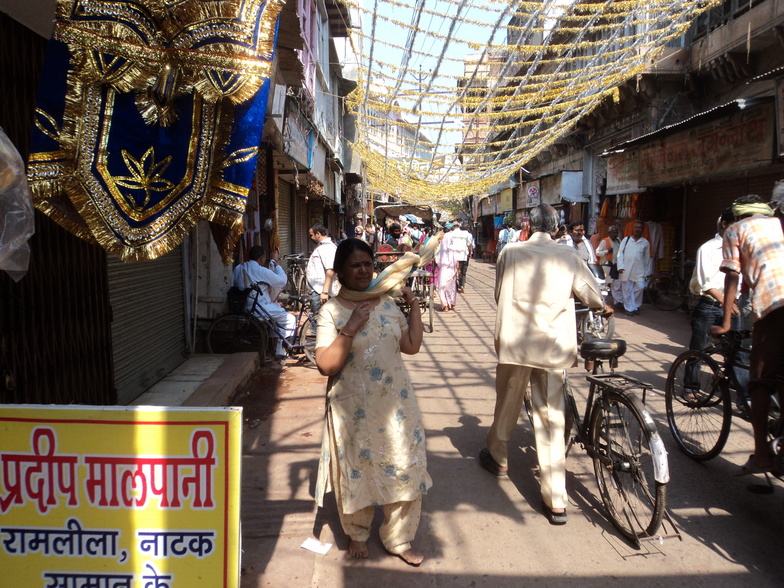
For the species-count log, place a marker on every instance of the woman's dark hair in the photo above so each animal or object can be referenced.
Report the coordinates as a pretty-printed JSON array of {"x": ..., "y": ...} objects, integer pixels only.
[{"x": 344, "y": 251}]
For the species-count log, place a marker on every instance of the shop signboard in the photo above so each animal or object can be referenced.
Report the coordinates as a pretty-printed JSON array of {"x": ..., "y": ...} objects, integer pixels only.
[
  {"x": 532, "y": 195},
  {"x": 505, "y": 200},
  {"x": 740, "y": 141},
  {"x": 298, "y": 137},
  {"x": 623, "y": 170},
  {"x": 119, "y": 497}
]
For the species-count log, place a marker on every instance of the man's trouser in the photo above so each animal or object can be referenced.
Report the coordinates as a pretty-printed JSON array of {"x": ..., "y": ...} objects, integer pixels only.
[
  {"x": 547, "y": 398},
  {"x": 463, "y": 270}
]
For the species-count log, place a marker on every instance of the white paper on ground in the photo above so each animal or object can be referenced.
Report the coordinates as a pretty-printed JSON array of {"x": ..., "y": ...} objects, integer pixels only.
[{"x": 316, "y": 546}]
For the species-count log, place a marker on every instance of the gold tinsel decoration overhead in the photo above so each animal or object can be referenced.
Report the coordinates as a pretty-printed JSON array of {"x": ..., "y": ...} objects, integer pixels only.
[{"x": 455, "y": 96}]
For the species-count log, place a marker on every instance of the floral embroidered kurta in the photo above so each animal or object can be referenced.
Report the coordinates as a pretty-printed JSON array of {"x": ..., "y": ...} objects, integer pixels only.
[{"x": 374, "y": 439}]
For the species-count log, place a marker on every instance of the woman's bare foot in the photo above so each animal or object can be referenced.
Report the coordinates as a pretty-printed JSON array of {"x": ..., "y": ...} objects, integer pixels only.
[
  {"x": 411, "y": 557},
  {"x": 358, "y": 549}
]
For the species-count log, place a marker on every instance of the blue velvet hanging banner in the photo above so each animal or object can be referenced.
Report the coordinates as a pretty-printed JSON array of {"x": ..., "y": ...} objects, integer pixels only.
[{"x": 149, "y": 118}]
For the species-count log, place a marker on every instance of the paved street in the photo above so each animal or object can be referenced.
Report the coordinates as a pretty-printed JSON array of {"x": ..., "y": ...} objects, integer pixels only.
[{"x": 480, "y": 531}]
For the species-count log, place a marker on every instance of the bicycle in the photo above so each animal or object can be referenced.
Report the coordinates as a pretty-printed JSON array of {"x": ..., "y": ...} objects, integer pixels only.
[
  {"x": 670, "y": 290},
  {"x": 618, "y": 433},
  {"x": 252, "y": 329},
  {"x": 421, "y": 283},
  {"x": 699, "y": 399},
  {"x": 296, "y": 284}
]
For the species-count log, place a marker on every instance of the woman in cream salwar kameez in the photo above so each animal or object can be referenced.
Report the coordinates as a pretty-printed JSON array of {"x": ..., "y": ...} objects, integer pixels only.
[{"x": 373, "y": 450}]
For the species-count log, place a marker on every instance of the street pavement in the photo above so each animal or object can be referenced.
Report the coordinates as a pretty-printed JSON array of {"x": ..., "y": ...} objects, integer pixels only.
[{"x": 478, "y": 530}]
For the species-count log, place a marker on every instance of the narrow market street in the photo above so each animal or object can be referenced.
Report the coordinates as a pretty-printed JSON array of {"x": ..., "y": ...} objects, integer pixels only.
[{"x": 480, "y": 531}]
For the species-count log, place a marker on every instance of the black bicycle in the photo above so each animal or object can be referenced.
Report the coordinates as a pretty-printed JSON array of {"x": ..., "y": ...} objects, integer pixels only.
[
  {"x": 296, "y": 283},
  {"x": 698, "y": 396},
  {"x": 255, "y": 330},
  {"x": 617, "y": 431}
]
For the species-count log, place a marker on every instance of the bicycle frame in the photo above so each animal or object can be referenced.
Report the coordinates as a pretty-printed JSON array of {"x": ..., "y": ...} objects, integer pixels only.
[
  {"x": 600, "y": 383},
  {"x": 730, "y": 347}
]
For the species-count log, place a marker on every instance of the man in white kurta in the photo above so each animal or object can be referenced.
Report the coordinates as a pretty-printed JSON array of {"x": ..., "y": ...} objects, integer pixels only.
[
  {"x": 634, "y": 262},
  {"x": 536, "y": 340},
  {"x": 271, "y": 281}
]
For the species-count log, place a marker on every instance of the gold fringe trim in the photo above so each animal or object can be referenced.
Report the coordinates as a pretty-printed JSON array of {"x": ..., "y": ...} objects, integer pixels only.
[{"x": 135, "y": 47}]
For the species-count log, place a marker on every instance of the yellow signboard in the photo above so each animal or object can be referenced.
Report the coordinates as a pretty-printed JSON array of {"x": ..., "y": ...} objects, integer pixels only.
[{"x": 116, "y": 497}]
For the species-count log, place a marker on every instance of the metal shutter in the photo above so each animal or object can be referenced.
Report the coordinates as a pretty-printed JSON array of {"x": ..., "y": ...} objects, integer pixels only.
[
  {"x": 148, "y": 321},
  {"x": 284, "y": 216},
  {"x": 704, "y": 204},
  {"x": 707, "y": 201},
  {"x": 302, "y": 225}
]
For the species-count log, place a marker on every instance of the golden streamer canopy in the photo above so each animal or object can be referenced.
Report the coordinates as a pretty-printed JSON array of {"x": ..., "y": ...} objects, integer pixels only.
[{"x": 457, "y": 95}]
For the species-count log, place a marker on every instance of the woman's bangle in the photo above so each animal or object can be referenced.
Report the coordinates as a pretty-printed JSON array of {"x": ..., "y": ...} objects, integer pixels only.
[{"x": 346, "y": 335}]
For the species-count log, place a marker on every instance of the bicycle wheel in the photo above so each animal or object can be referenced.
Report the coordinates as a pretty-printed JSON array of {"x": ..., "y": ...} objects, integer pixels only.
[
  {"x": 307, "y": 339},
  {"x": 699, "y": 406},
  {"x": 595, "y": 326},
  {"x": 667, "y": 293},
  {"x": 427, "y": 304},
  {"x": 630, "y": 464},
  {"x": 300, "y": 283},
  {"x": 233, "y": 333}
]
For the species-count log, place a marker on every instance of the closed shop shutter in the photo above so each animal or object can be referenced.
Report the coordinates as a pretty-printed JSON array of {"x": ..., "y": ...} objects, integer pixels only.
[
  {"x": 285, "y": 217},
  {"x": 148, "y": 321},
  {"x": 763, "y": 185},
  {"x": 707, "y": 201},
  {"x": 703, "y": 206},
  {"x": 302, "y": 225}
]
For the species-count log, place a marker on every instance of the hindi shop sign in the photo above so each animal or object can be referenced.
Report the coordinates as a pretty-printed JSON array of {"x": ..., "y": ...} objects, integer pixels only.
[
  {"x": 623, "y": 170},
  {"x": 116, "y": 497},
  {"x": 740, "y": 141}
]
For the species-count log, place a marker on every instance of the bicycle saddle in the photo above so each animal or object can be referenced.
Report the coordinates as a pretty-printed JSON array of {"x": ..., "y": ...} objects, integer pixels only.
[{"x": 602, "y": 348}]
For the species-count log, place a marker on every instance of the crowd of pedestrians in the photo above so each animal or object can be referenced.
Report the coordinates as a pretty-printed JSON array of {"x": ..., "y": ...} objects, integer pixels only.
[{"x": 373, "y": 452}]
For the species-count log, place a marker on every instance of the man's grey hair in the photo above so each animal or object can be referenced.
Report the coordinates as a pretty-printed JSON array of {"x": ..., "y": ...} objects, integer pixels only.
[
  {"x": 777, "y": 200},
  {"x": 544, "y": 219}
]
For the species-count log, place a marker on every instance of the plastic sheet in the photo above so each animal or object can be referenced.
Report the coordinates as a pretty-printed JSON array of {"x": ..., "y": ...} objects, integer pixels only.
[{"x": 16, "y": 211}]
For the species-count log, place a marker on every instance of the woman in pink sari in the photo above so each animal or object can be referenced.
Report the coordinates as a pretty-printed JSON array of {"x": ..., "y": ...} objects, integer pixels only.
[{"x": 446, "y": 284}]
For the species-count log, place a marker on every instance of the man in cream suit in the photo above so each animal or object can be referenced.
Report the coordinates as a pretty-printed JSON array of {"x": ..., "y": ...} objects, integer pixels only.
[{"x": 536, "y": 340}]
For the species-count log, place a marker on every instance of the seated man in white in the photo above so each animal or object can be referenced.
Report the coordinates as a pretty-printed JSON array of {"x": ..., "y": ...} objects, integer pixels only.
[{"x": 270, "y": 281}]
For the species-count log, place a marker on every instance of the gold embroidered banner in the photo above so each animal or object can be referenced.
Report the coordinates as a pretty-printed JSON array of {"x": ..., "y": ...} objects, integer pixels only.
[{"x": 149, "y": 118}]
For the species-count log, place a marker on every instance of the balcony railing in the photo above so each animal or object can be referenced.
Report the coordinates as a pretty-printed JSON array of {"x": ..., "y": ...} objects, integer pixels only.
[{"x": 726, "y": 12}]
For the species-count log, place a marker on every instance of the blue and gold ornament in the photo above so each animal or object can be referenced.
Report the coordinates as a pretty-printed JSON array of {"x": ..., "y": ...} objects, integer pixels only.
[{"x": 149, "y": 118}]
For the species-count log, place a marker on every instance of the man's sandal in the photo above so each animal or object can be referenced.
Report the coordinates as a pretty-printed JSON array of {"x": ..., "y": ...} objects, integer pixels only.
[
  {"x": 487, "y": 462},
  {"x": 555, "y": 518}
]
